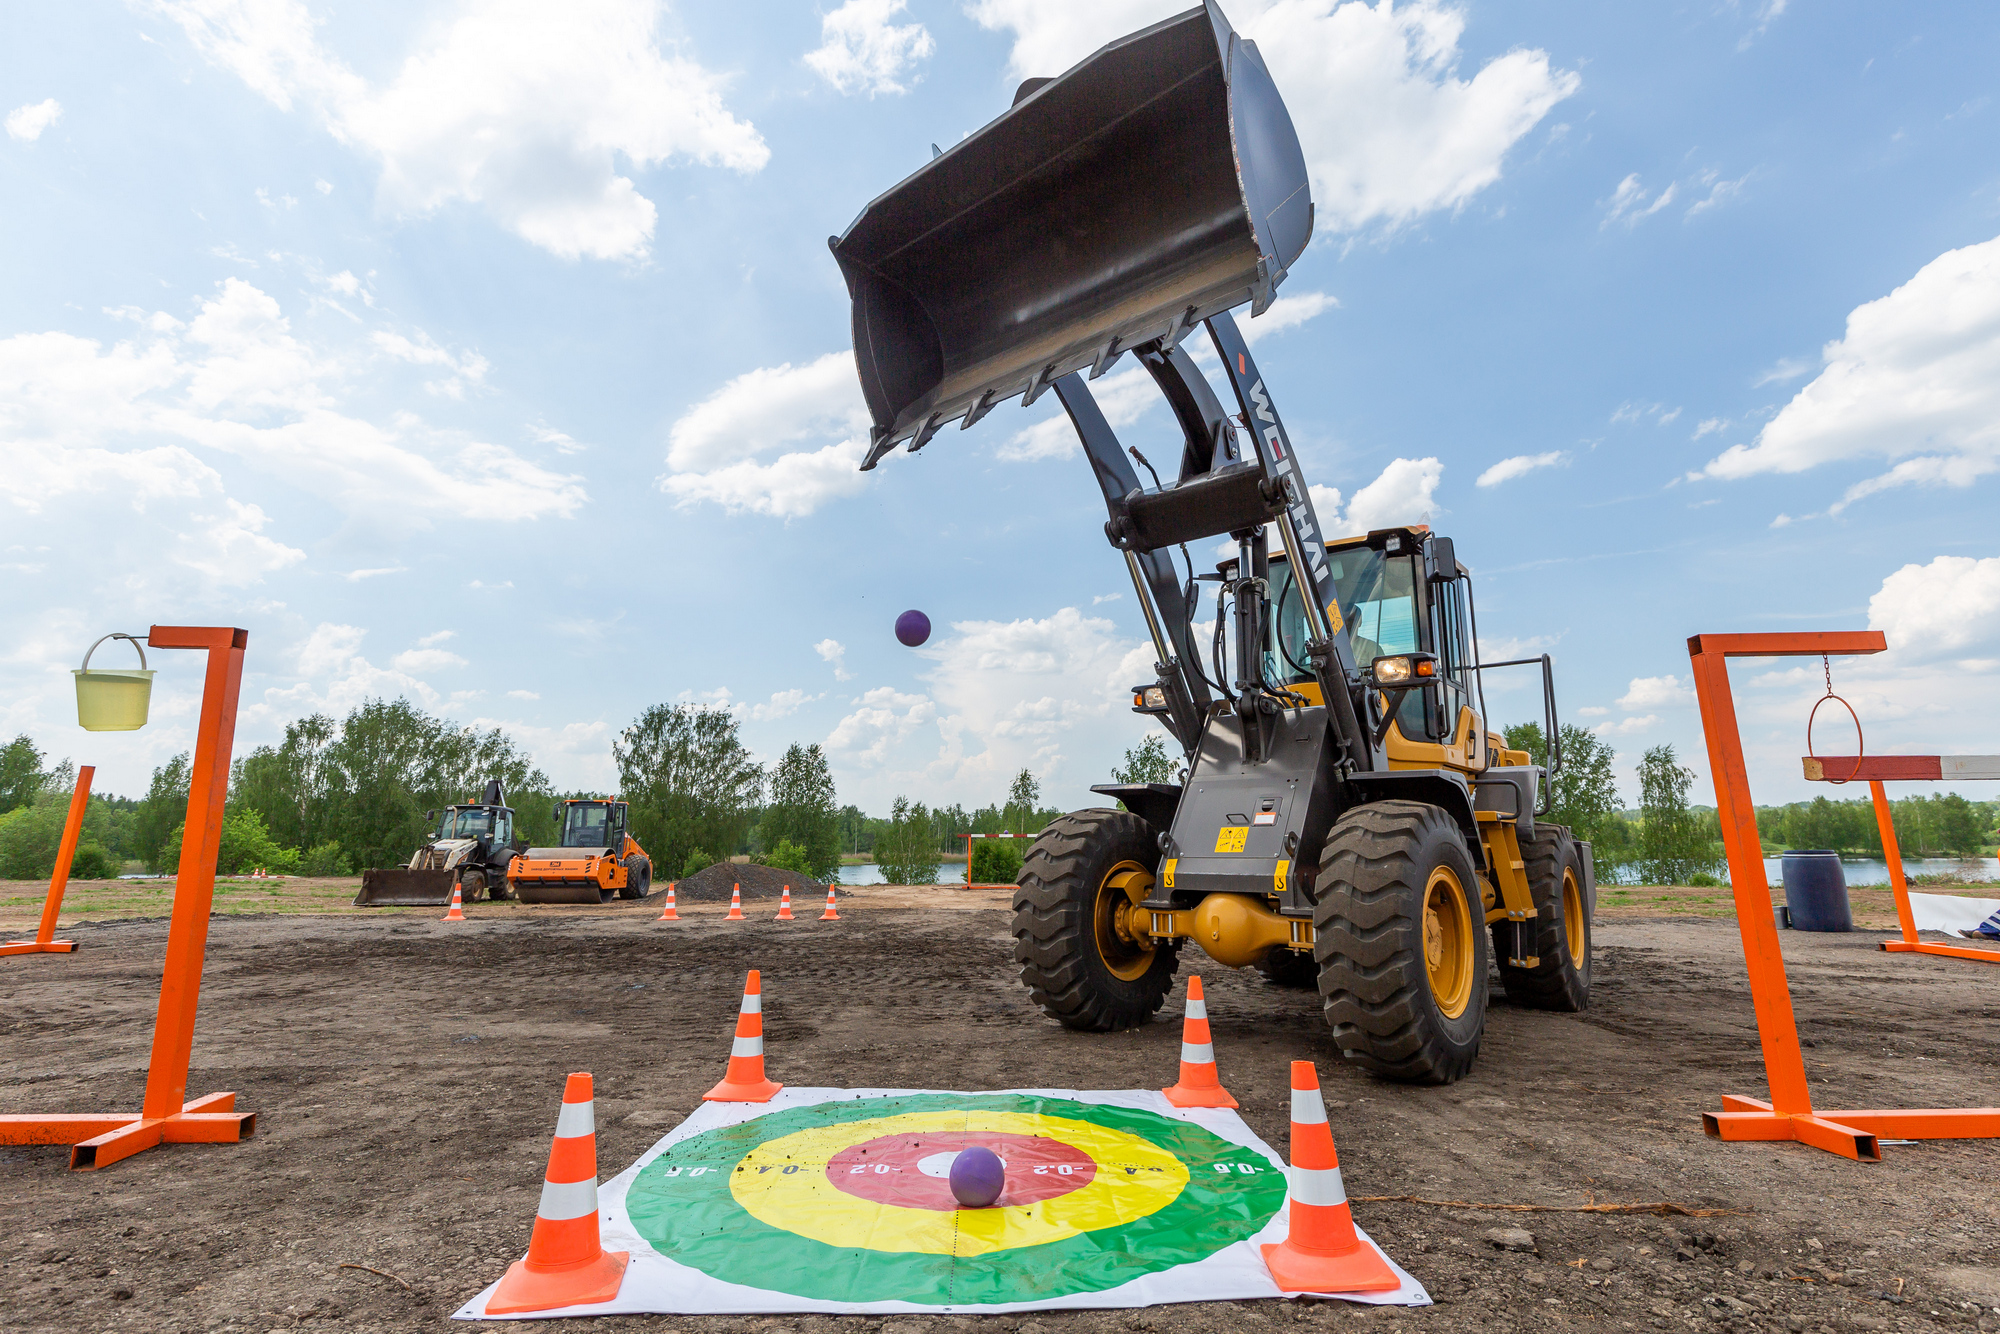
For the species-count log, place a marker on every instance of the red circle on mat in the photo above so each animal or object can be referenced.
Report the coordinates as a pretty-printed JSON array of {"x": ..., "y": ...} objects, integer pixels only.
[{"x": 889, "y": 1170}]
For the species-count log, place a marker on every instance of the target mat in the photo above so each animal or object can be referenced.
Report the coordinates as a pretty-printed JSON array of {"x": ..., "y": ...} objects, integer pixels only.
[{"x": 838, "y": 1200}]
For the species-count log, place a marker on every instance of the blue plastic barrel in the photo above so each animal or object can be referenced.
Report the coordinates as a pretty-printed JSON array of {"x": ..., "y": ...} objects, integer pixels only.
[{"x": 1816, "y": 891}]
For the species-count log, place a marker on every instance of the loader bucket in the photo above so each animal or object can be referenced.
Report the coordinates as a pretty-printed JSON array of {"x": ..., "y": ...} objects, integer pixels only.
[
  {"x": 1155, "y": 184},
  {"x": 400, "y": 887}
]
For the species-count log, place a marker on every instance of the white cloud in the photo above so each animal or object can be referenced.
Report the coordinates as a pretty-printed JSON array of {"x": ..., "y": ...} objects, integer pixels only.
[
  {"x": 462, "y": 368},
  {"x": 1506, "y": 470},
  {"x": 334, "y": 677},
  {"x": 1592, "y": 711},
  {"x": 356, "y": 576},
  {"x": 433, "y": 640},
  {"x": 1952, "y": 603},
  {"x": 1787, "y": 368},
  {"x": 528, "y": 110},
  {"x": 230, "y": 548},
  {"x": 862, "y": 50},
  {"x": 1653, "y": 692},
  {"x": 1390, "y": 130},
  {"x": 1287, "y": 312},
  {"x": 1404, "y": 492},
  {"x": 1916, "y": 380},
  {"x": 324, "y": 187},
  {"x": 1626, "y": 726},
  {"x": 1124, "y": 397},
  {"x": 418, "y": 660},
  {"x": 1719, "y": 191},
  {"x": 834, "y": 653},
  {"x": 886, "y": 717},
  {"x": 714, "y": 448},
  {"x": 522, "y": 694},
  {"x": 1628, "y": 202},
  {"x": 1709, "y": 426},
  {"x": 26, "y": 123},
  {"x": 1103, "y": 598},
  {"x": 236, "y": 381}
]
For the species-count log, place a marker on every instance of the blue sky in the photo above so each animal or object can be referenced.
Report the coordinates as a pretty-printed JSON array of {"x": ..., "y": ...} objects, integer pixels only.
[{"x": 491, "y": 354}]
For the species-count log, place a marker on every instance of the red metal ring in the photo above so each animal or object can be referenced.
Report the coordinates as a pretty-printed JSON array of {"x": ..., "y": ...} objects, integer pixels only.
[{"x": 1860, "y": 743}]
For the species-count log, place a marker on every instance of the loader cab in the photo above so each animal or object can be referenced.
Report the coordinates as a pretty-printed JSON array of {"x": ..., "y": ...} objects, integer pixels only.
[
  {"x": 1400, "y": 590},
  {"x": 593, "y": 824},
  {"x": 495, "y": 824}
]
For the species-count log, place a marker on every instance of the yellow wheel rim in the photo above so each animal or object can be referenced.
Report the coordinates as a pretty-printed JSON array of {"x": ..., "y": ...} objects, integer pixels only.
[
  {"x": 1119, "y": 923},
  {"x": 1573, "y": 918},
  {"x": 1448, "y": 953}
]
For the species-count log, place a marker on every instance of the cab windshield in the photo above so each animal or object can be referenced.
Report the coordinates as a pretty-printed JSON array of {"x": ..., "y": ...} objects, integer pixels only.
[
  {"x": 1378, "y": 599},
  {"x": 466, "y": 822},
  {"x": 584, "y": 825}
]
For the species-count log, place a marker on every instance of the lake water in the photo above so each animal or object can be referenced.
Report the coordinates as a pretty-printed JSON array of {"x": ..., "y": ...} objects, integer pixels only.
[
  {"x": 868, "y": 873},
  {"x": 1872, "y": 872}
]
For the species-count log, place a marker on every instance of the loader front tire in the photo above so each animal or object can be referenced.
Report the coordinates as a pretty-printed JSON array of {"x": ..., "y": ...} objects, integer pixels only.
[
  {"x": 638, "y": 878},
  {"x": 1402, "y": 945},
  {"x": 1079, "y": 934},
  {"x": 1559, "y": 932},
  {"x": 470, "y": 884}
]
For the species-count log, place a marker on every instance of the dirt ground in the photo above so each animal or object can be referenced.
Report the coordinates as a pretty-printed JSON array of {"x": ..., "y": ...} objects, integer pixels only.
[{"x": 406, "y": 1074}]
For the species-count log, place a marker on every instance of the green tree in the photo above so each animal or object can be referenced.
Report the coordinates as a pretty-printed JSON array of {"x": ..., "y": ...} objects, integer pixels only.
[
  {"x": 995, "y": 861},
  {"x": 689, "y": 779},
  {"x": 31, "y": 836},
  {"x": 1147, "y": 762},
  {"x": 1021, "y": 799},
  {"x": 160, "y": 813},
  {"x": 789, "y": 856},
  {"x": 1675, "y": 843},
  {"x": 21, "y": 773},
  {"x": 245, "y": 846},
  {"x": 907, "y": 850},
  {"x": 802, "y": 810}
]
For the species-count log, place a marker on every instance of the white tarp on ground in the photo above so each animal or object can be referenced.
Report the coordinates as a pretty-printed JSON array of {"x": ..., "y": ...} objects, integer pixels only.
[
  {"x": 1950, "y": 914},
  {"x": 657, "y": 1283}
]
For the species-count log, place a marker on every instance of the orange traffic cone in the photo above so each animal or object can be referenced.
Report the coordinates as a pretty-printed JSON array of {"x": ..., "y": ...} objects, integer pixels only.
[
  {"x": 1199, "y": 1086},
  {"x": 831, "y": 914},
  {"x": 785, "y": 907},
  {"x": 566, "y": 1264},
  {"x": 745, "y": 1081},
  {"x": 735, "y": 904},
  {"x": 1322, "y": 1253},
  {"x": 668, "y": 914},
  {"x": 457, "y": 913}
]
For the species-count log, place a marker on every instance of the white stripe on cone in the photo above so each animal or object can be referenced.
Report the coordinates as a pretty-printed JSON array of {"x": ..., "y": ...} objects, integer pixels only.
[
  {"x": 747, "y": 1047},
  {"x": 576, "y": 1118},
  {"x": 752, "y": 1005},
  {"x": 1198, "y": 1053},
  {"x": 1317, "y": 1185},
  {"x": 1195, "y": 1009},
  {"x": 564, "y": 1200},
  {"x": 1307, "y": 1109}
]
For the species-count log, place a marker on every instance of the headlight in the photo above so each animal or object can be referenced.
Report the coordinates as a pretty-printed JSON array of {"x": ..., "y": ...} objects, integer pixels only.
[
  {"x": 1391, "y": 671},
  {"x": 1152, "y": 697}
]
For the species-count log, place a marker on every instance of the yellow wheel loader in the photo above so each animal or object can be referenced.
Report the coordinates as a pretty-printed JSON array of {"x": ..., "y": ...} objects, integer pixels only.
[
  {"x": 469, "y": 852},
  {"x": 598, "y": 858},
  {"x": 1345, "y": 818}
]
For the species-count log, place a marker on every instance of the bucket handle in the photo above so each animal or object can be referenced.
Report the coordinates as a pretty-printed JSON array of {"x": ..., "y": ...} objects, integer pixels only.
[{"x": 135, "y": 644}]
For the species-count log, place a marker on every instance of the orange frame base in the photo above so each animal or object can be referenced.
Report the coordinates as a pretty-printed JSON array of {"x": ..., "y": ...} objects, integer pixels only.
[
  {"x": 1789, "y": 1114},
  {"x": 166, "y": 1116},
  {"x": 1909, "y": 944}
]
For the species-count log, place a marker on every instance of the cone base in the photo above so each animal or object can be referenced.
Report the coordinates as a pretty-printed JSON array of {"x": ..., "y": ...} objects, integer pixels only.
[
  {"x": 784, "y": 917},
  {"x": 761, "y": 1091},
  {"x": 1180, "y": 1095},
  {"x": 735, "y": 915},
  {"x": 1359, "y": 1270},
  {"x": 526, "y": 1289},
  {"x": 670, "y": 917},
  {"x": 829, "y": 917}
]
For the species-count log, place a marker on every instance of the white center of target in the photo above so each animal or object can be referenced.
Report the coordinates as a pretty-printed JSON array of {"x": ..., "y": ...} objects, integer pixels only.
[{"x": 939, "y": 1165}]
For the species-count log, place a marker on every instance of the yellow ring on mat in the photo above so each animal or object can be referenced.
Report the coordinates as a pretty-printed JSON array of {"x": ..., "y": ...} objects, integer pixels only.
[{"x": 1134, "y": 1178}]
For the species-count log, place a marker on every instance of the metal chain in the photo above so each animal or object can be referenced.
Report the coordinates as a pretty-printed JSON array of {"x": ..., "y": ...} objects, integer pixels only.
[{"x": 1827, "y": 665}]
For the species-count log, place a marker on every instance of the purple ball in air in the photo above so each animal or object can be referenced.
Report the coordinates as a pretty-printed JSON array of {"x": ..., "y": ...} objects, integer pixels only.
[
  {"x": 913, "y": 628},
  {"x": 977, "y": 1177}
]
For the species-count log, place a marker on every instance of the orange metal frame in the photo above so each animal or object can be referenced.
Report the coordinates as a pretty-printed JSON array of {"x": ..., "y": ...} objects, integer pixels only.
[
  {"x": 1878, "y": 769},
  {"x": 45, "y": 941},
  {"x": 1789, "y": 1114},
  {"x": 165, "y": 1117},
  {"x": 1016, "y": 838}
]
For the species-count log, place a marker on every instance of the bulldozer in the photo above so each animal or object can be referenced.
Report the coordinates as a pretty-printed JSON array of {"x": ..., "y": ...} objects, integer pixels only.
[
  {"x": 1344, "y": 819},
  {"x": 597, "y": 858},
  {"x": 470, "y": 850}
]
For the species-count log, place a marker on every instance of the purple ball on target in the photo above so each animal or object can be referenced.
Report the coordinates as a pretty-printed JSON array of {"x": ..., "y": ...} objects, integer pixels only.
[
  {"x": 977, "y": 1177},
  {"x": 913, "y": 628}
]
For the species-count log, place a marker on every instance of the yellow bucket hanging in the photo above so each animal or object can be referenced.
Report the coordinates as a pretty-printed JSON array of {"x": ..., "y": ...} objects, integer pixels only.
[{"x": 113, "y": 699}]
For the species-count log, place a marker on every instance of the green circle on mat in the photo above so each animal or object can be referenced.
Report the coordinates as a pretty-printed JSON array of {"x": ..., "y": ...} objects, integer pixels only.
[{"x": 682, "y": 1204}]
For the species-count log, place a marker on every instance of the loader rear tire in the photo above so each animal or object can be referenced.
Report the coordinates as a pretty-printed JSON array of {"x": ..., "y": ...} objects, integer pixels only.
[
  {"x": 1289, "y": 968},
  {"x": 1402, "y": 945},
  {"x": 1078, "y": 934},
  {"x": 1560, "y": 934}
]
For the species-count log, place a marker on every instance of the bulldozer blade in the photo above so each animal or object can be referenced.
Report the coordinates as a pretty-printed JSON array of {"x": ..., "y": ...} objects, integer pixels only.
[
  {"x": 1153, "y": 185},
  {"x": 400, "y": 887}
]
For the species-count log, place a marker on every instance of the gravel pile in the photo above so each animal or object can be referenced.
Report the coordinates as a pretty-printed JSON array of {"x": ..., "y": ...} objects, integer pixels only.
[{"x": 760, "y": 884}]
